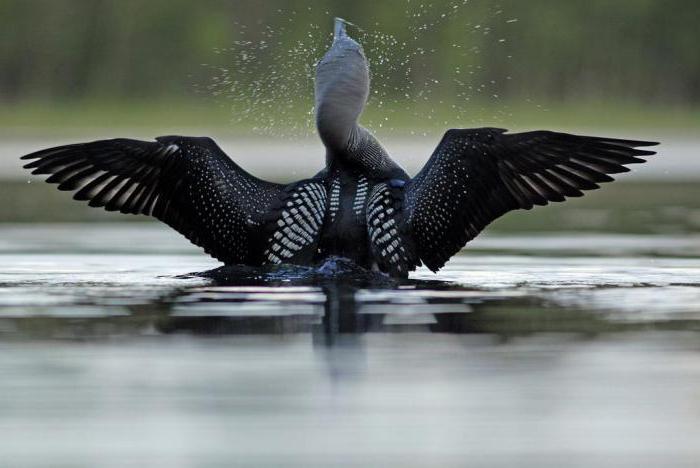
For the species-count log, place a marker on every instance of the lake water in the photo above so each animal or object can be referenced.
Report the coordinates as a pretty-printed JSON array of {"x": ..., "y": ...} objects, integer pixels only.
[{"x": 539, "y": 350}]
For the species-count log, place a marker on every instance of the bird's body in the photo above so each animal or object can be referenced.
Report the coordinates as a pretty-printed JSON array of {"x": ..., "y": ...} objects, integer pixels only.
[
  {"x": 344, "y": 232},
  {"x": 361, "y": 206}
]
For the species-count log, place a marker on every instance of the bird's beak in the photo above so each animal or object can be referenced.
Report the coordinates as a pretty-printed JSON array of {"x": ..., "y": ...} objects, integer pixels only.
[{"x": 339, "y": 30}]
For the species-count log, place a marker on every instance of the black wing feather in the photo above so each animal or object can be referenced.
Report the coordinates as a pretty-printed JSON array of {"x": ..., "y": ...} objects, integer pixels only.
[
  {"x": 476, "y": 176},
  {"x": 188, "y": 183}
]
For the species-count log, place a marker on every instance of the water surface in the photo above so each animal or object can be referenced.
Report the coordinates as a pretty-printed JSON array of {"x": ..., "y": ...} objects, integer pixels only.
[{"x": 525, "y": 350}]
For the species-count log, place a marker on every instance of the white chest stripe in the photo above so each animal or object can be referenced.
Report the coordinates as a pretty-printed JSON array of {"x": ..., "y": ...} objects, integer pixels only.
[
  {"x": 335, "y": 199},
  {"x": 360, "y": 196}
]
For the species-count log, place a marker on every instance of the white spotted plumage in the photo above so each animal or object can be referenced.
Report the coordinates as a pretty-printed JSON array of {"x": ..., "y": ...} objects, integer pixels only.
[
  {"x": 299, "y": 224},
  {"x": 358, "y": 204},
  {"x": 383, "y": 232},
  {"x": 334, "y": 204}
]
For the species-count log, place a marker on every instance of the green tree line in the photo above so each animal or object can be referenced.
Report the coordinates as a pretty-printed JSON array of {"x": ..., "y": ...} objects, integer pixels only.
[{"x": 643, "y": 51}]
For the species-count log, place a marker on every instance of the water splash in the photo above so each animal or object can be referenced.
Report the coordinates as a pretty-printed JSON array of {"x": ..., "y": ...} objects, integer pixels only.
[
  {"x": 268, "y": 78},
  {"x": 267, "y": 81}
]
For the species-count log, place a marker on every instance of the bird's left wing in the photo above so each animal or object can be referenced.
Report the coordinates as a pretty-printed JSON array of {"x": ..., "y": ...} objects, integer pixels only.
[
  {"x": 188, "y": 183},
  {"x": 475, "y": 176}
]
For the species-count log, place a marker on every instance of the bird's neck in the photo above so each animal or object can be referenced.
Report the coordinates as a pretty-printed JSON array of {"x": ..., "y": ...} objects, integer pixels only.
[{"x": 363, "y": 153}]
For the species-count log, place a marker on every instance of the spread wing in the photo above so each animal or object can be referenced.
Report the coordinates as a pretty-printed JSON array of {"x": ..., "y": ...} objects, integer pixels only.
[
  {"x": 188, "y": 183},
  {"x": 475, "y": 176}
]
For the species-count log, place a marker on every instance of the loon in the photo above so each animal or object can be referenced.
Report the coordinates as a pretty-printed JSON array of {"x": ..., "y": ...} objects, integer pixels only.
[{"x": 362, "y": 206}]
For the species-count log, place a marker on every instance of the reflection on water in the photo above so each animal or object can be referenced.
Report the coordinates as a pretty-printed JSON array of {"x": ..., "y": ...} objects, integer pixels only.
[{"x": 523, "y": 351}]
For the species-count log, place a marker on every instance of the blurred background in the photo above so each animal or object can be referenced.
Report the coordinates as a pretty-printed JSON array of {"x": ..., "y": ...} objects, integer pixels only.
[
  {"x": 565, "y": 336},
  {"x": 242, "y": 71},
  {"x": 628, "y": 55}
]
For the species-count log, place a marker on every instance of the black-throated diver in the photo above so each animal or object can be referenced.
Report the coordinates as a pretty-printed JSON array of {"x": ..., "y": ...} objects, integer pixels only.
[{"x": 362, "y": 205}]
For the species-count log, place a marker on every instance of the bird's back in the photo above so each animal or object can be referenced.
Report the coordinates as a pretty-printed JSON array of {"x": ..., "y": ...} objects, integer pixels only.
[{"x": 345, "y": 228}]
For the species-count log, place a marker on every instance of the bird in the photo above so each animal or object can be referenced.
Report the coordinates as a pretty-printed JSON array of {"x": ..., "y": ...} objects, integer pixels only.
[{"x": 361, "y": 206}]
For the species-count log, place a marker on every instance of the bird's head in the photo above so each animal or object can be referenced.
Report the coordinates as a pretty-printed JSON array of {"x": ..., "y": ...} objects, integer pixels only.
[{"x": 341, "y": 89}]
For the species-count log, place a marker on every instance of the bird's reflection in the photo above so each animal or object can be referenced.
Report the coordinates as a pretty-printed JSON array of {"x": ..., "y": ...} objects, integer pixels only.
[
  {"x": 339, "y": 303},
  {"x": 337, "y": 314},
  {"x": 335, "y": 309}
]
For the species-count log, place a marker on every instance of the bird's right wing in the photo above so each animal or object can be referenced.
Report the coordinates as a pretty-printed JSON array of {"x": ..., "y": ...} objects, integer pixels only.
[
  {"x": 188, "y": 183},
  {"x": 475, "y": 176}
]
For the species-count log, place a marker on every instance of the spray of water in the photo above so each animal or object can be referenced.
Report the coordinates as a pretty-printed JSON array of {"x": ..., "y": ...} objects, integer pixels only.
[{"x": 267, "y": 80}]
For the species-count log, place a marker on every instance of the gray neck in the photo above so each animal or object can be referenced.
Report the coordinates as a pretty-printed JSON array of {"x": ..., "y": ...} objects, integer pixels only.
[
  {"x": 342, "y": 88},
  {"x": 341, "y": 91}
]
